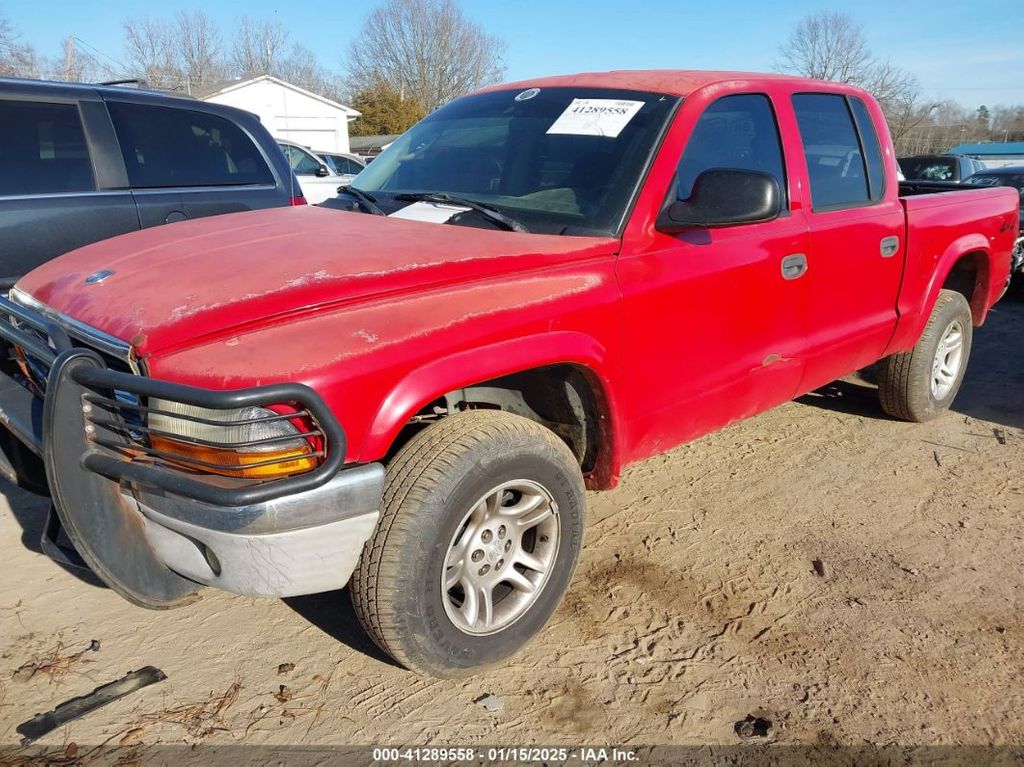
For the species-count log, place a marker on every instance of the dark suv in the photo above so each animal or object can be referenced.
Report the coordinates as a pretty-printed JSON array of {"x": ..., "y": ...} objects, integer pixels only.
[{"x": 80, "y": 163}]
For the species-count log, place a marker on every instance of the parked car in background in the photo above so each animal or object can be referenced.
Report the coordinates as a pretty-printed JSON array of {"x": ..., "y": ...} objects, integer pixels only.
[
  {"x": 1007, "y": 175},
  {"x": 317, "y": 179},
  {"x": 80, "y": 163},
  {"x": 939, "y": 167},
  {"x": 347, "y": 166},
  {"x": 537, "y": 285}
]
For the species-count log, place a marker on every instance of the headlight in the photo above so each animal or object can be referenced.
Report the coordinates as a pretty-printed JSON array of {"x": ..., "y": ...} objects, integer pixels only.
[{"x": 249, "y": 442}]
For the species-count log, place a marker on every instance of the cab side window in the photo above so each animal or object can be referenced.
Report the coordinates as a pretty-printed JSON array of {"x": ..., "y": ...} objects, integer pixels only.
[
  {"x": 840, "y": 176},
  {"x": 872, "y": 149},
  {"x": 737, "y": 132}
]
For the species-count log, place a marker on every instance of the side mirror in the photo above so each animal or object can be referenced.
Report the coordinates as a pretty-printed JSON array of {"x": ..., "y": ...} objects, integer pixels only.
[
  {"x": 322, "y": 171},
  {"x": 721, "y": 197}
]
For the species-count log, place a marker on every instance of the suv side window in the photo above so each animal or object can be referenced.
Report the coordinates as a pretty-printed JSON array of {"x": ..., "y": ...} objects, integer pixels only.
[
  {"x": 43, "y": 149},
  {"x": 170, "y": 147},
  {"x": 738, "y": 132},
  {"x": 835, "y": 162}
]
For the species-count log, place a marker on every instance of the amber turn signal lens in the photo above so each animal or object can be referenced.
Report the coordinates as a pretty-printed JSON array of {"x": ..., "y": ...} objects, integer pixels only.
[{"x": 268, "y": 464}]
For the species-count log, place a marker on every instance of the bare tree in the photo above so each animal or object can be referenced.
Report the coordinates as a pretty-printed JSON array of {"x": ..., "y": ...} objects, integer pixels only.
[
  {"x": 425, "y": 49},
  {"x": 198, "y": 46},
  {"x": 828, "y": 45},
  {"x": 149, "y": 51},
  {"x": 259, "y": 47},
  {"x": 16, "y": 60},
  {"x": 302, "y": 68},
  {"x": 1007, "y": 123}
]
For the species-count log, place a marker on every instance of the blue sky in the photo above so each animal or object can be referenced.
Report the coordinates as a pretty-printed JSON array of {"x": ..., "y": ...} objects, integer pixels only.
[{"x": 971, "y": 52}]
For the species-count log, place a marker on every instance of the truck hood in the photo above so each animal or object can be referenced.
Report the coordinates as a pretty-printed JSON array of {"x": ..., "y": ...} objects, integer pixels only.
[{"x": 172, "y": 285}]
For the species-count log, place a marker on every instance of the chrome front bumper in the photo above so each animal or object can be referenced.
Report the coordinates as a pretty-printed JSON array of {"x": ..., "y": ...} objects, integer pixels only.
[{"x": 300, "y": 544}]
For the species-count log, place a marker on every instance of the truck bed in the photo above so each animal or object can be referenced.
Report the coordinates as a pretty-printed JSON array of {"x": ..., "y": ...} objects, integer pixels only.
[
  {"x": 941, "y": 216},
  {"x": 916, "y": 187}
]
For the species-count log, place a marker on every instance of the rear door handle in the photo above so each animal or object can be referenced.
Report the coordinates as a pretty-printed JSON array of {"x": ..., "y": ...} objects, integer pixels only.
[
  {"x": 889, "y": 246},
  {"x": 794, "y": 266}
]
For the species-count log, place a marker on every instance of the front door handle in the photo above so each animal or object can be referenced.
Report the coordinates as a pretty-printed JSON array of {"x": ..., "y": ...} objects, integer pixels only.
[
  {"x": 889, "y": 246},
  {"x": 794, "y": 266}
]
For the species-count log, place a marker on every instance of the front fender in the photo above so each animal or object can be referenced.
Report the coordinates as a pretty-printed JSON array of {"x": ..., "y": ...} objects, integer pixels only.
[{"x": 434, "y": 379}]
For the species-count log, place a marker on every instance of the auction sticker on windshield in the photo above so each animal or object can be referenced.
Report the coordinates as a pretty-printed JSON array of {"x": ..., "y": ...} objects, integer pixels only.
[
  {"x": 431, "y": 212},
  {"x": 595, "y": 117}
]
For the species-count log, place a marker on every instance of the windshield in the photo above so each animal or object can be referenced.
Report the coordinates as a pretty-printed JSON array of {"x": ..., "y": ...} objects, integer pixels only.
[
  {"x": 559, "y": 160},
  {"x": 929, "y": 168}
]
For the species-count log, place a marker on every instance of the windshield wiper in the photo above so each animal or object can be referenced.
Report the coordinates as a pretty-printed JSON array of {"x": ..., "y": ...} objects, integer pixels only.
[
  {"x": 487, "y": 211},
  {"x": 368, "y": 202}
]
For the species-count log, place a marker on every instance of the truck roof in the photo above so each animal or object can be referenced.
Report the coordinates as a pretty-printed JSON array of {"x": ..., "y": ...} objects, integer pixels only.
[{"x": 676, "y": 82}]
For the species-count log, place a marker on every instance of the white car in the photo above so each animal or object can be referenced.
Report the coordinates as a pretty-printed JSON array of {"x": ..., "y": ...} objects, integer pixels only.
[
  {"x": 347, "y": 166},
  {"x": 316, "y": 178}
]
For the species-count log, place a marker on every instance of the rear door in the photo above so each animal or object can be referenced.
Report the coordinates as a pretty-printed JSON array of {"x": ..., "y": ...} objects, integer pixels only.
[
  {"x": 185, "y": 163},
  {"x": 61, "y": 180},
  {"x": 857, "y": 237}
]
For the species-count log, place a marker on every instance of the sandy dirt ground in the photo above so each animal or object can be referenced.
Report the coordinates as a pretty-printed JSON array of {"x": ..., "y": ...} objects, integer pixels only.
[{"x": 696, "y": 603}]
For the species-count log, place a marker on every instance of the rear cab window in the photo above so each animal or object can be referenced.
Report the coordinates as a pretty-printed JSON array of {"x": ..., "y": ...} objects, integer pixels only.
[
  {"x": 43, "y": 149},
  {"x": 844, "y": 161},
  {"x": 171, "y": 147}
]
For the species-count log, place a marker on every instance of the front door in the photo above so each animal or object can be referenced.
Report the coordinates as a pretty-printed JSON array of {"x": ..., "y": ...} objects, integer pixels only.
[{"x": 713, "y": 321}]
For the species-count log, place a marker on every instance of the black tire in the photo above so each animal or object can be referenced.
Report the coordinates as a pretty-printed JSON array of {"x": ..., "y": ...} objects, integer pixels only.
[
  {"x": 904, "y": 384},
  {"x": 431, "y": 484}
]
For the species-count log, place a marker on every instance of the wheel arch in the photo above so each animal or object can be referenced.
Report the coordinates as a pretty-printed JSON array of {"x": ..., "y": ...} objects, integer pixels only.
[
  {"x": 966, "y": 270},
  {"x": 557, "y": 353},
  {"x": 965, "y": 266}
]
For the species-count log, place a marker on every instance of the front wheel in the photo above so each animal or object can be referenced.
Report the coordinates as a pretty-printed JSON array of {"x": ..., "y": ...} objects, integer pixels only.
[
  {"x": 921, "y": 384},
  {"x": 481, "y": 527}
]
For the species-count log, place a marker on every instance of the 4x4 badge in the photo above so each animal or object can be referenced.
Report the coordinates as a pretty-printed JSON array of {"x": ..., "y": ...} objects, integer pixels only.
[{"x": 97, "y": 277}]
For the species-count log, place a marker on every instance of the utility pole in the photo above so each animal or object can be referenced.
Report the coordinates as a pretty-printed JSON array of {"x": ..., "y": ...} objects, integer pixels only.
[{"x": 69, "y": 58}]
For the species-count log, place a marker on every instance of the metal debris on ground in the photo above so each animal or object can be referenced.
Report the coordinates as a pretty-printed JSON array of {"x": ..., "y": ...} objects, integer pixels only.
[
  {"x": 284, "y": 668},
  {"x": 819, "y": 568},
  {"x": 41, "y": 724},
  {"x": 1000, "y": 436},
  {"x": 490, "y": 702}
]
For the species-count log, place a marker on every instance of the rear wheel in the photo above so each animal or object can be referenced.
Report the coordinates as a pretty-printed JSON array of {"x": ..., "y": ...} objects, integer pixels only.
[
  {"x": 921, "y": 384},
  {"x": 481, "y": 527}
]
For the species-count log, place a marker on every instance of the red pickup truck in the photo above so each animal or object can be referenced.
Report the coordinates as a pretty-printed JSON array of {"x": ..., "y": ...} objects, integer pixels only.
[{"x": 536, "y": 285}]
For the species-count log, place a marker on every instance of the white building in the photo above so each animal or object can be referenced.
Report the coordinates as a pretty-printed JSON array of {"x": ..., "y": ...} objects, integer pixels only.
[{"x": 288, "y": 111}]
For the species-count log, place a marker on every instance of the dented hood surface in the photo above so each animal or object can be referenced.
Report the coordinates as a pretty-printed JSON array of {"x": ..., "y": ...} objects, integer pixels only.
[{"x": 172, "y": 285}]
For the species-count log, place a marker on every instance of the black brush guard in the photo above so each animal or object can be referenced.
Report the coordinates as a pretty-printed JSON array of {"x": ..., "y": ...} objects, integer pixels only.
[{"x": 92, "y": 437}]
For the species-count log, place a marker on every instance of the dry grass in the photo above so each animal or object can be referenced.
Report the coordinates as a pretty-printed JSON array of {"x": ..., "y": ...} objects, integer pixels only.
[
  {"x": 199, "y": 719},
  {"x": 55, "y": 663}
]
